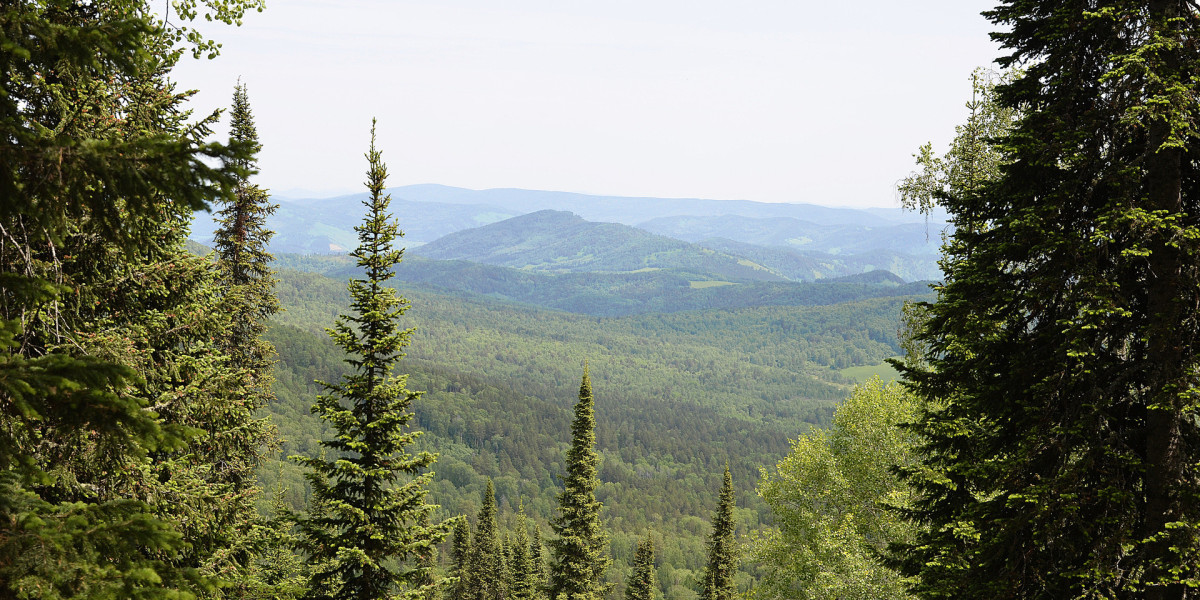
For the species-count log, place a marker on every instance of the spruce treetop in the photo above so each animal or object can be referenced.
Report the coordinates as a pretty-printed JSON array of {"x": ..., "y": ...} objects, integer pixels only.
[
  {"x": 369, "y": 543},
  {"x": 722, "y": 548},
  {"x": 578, "y": 558}
]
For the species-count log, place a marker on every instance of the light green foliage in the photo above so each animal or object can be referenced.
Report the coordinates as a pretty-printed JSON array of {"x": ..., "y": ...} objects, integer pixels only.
[
  {"x": 277, "y": 572},
  {"x": 971, "y": 160},
  {"x": 180, "y": 13},
  {"x": 831, "y": 497},
  {"x": 579, "y": 558},
  {"x": 367, "y": 541}
]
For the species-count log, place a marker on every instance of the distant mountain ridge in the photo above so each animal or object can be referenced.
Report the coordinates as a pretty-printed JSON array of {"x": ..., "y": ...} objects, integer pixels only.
[
  {"x": 913, "y": 239},
  {"x": 802, "y": 242},
  {"x": 559, "y": 241},
  {"x": 634, "y": 210},
  {"x": 327, "y": 225}
]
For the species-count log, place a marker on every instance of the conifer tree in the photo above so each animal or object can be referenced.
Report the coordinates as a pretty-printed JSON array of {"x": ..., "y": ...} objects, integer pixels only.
[
  {"x": 278, "y": 572},
  {"x": 642, "y": 583},
  {"x": 248, "y": 300},
  {"x": 722, "y": 548},
  {"x": 460, "y": 554},
  {"x": 242, "y": 259},
  {"x": 537, "y": 562},
  {"x": 523, "y": 581},
  {"x": 426, "y": 562},
  {"x": 101, "y": 314},
  {"x": 486, "y": 564},
  {"x": 375, "y": 490},
  {"x": 1062, "y": 432},
  {"x": 578, "y": 555}
]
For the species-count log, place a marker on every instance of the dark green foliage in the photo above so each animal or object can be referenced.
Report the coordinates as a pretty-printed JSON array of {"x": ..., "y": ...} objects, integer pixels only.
[
  {"x": 1062, "y": 432},
  {"x": 460, "y": 554},
  {"x": 525, "y": 569},
  {"x": 246, "y": 281},
  {"x": 242, "y": 258},
  {"x": 374, "y": 491},
  {"x": 101, "y": 313},
  {"x": 485, "y": 566},
  {"x": 578, "y": 556},
  {"x": 642, "y": 584},
  {"x": 722, "y": 548},
  {"x": 537, "y": 563}
]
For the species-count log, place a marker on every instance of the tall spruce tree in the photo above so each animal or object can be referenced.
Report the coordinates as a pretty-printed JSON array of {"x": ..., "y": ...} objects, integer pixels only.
[
  {"x": 485, "y": 566},
  {"x": 642, "y": 583},
  {"x": 537, "y": 562},
  {"x": 578, "y": 558},
  {"x": 367, "y": 543},
  {"x": 524, "y": 578},
  {"x": 722, "y": 548},
  {"x": 460, "y": 554},
  {"x": 248, "y": 299},
  {"x": 243, "y": 262},
  {"x": 101, "y": 315},
  {"x": 1062, "y": 371}
]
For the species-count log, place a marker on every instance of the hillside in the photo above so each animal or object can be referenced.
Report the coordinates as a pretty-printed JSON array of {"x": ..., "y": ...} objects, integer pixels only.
[
  {"x": 615, "y": 294},
  {"x": 677, "y": 395},
  {"x": 558, "y": 241},
  {"x": 914, "y": 239},
  {"x": 812, "y": 266}
]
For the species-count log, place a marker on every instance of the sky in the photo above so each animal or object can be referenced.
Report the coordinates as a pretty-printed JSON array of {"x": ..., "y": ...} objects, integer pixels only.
[{"x": 769, "y": 100}]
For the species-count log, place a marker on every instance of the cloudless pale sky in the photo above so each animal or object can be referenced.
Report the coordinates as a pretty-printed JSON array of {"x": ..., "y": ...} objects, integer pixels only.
[{"x": 768, "y": 100}]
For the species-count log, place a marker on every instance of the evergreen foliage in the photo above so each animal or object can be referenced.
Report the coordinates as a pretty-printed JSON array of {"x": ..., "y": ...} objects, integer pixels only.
[
  {"x": 242, "y": 259},
  {"x": 1062, "y": 373},
  {"x": 485, "y": 567},
  {"x": 722, "y": 548},
  {"x": 642, "y": 584},
  {"x": 247, "y": 286},
  {"x": 525, "y": 575},
  {"x": 374, "y": 490},
  {"x": 537, "y": 563},
  {"x": 578, "y": 555},
  {"x": 102, "y": 314},
  {"x": 460, "y": 554}
]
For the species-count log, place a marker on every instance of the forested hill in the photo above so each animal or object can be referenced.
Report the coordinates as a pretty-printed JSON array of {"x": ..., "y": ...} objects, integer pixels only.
[
  {"x": 559, "y": 241},
  {"x": 913, "y": 239},
  {"x": 800, "y": 242},
  {"x": 677, "y": 394},
  {"x": 616, "y": 294}
]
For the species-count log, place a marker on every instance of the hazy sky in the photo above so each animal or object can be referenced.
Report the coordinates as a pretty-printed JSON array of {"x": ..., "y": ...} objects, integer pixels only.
[{"x": 768, "y": 100}]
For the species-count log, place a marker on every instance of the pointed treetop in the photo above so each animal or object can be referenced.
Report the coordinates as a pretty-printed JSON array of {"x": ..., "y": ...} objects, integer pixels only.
[{"x": 585, "y": 384}]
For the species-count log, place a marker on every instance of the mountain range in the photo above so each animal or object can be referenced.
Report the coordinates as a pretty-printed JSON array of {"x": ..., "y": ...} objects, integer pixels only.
[{"x": 717, "y": 240}]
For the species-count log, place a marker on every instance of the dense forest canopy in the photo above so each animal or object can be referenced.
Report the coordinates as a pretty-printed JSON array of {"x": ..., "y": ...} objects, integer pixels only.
[{"x": 575, "y": 410}]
